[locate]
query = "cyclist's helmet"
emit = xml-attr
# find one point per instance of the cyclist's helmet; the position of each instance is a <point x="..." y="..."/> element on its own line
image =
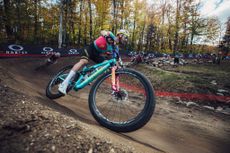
<point x="123" y="36"/>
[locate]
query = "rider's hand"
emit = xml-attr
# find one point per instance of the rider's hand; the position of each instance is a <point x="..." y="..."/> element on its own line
<point x="119" y="63"/>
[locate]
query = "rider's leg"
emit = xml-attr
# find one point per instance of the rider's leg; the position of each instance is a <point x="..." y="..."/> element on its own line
<point x="63" y="86"/>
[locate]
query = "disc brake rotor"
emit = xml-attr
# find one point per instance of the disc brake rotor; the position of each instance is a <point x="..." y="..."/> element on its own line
<point x="120" y="96"/>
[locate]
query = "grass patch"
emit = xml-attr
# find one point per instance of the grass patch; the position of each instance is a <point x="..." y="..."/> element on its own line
<point x="189" y="78"/>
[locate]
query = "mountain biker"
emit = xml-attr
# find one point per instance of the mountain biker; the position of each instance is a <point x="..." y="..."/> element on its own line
<point x="107" y="42"/>
<point x="52" y="59"/>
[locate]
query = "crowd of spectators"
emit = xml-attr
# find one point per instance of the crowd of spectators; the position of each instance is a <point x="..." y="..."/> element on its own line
<point x="179" y="55"/>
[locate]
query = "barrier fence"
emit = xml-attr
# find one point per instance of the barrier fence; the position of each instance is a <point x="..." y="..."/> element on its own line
<point x="16" y="50"/>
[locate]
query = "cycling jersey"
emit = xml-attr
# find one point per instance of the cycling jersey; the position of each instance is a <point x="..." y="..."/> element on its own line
<point x="102" y="45"/>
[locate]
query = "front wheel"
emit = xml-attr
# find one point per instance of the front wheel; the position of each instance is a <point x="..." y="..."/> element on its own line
<point x="126" y="110"/>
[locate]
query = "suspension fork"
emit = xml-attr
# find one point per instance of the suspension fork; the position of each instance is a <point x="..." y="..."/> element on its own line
<point x="115" y="80"/>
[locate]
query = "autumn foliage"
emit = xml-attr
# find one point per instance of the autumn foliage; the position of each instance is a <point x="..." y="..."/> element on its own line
<point x="162" y="26"/>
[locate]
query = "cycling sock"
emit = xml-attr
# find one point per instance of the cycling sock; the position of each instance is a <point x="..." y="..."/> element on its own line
<point x="69" y="77"/>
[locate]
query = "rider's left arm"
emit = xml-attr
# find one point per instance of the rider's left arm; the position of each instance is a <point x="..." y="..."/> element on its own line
<point x="116" y="54"/>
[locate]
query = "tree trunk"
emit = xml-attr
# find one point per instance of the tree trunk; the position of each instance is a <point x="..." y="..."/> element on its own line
<point x="191" y="40"/>
<point x="60" y="26"/>
<point x="183" y="42"/>
<point x="85" y="28"/>
<point x="7" y="19"/>
<point x="27" y="24"/>
<point x="122" y="14"/>
<point x="65" y="25"/>
<point x="169" y="29"/>
<point x="80" y="20"/>
<point x="72" y="25"/>
<point x="147" y="39"/>
<point x="140" y="47"/>
<point x="36" y="21"/>
<point x="134" y="28"/>
<point x="162" y="42"/>
<point x="177" y="27"/>
<point x="90" y="21"/>
<point x="114" y="16"/>
<point x="169" y="37"/>
<point x="18" y="32"/>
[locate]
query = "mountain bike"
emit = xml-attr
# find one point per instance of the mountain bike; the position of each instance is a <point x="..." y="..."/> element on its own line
<point x="137" y="59"/>
<point x="120" y="99"/>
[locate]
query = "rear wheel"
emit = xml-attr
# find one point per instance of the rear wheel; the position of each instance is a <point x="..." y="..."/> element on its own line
<point x="52" y="87"/>
<point x="126" y="110"/>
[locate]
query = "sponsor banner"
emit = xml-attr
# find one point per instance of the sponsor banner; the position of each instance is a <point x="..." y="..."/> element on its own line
<point x="17" y="50"/>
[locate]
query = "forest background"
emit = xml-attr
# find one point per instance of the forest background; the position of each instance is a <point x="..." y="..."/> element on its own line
<point x="160" y="26"/>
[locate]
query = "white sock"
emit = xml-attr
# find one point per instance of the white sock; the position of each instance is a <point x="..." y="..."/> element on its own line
<point x="69" y="77"/>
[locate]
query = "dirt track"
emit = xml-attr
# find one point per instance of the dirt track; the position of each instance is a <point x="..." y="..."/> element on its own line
<point x="172" y="129"/>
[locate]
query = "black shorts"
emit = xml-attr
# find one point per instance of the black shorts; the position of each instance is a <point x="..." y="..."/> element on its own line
<point x="90" y="53"/>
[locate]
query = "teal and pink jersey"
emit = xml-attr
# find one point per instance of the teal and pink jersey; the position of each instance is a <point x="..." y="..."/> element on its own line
<point x="101" y="44"/>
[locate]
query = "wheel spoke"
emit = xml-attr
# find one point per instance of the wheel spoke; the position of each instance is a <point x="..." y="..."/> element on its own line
<point x="128" y="107"/>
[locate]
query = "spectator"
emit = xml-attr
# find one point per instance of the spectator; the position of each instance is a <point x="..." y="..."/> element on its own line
<point x="214" y="58"/>
<point x="176" y="58"/>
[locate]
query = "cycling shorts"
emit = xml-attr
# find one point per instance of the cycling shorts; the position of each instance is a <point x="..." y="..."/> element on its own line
<point x="90" y="53"/>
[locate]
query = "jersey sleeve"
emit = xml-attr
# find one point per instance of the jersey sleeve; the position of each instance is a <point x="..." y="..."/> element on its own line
<point x="112" y="35"/>
<point x="108" y="34"/>
<point x="116" y="51"/>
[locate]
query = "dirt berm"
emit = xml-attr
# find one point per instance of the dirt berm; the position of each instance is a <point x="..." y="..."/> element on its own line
<point x="30" y="122"/>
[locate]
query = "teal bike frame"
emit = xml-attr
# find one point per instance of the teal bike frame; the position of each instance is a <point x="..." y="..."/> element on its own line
<point x="100" y="68"/>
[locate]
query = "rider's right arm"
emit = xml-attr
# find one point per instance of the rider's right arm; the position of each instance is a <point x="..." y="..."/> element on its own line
<point x="104" y="33"/>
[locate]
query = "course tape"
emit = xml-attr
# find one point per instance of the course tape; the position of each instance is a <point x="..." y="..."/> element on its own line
<point x="194" y="96"/>
<point x="184" y="96"/>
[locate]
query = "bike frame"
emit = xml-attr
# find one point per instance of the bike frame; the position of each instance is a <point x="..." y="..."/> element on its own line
<point x="82" y="82"/>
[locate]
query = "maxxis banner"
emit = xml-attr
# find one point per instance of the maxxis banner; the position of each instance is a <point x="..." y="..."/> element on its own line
<point x="18" y="50"/>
